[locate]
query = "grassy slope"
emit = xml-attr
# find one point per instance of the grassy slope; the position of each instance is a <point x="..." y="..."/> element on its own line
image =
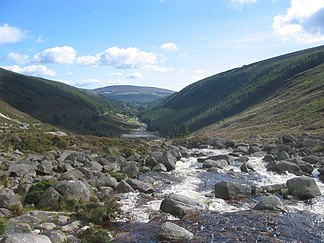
<point x="61" y="105"/>
<point x="226" y="94"/>
<point x="296" y="107"/>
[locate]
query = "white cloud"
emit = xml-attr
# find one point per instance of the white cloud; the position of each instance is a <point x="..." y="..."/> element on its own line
<point x="10" y="34"/>
<point x="59" y="55"/>
<point x="115" y="74"/>
<point x="169" y="46"/>
<point x="34" y="70"/>
<point x="92" y="83"/>
<point x="18" y="58"/>
<point x="125" y="57"/>
<point x="304" y="21"/>
<point x="155" y="68"/>
<point x="86" y="60"/>
<point x="136" y="75"/>
<point x="240" y="3"/>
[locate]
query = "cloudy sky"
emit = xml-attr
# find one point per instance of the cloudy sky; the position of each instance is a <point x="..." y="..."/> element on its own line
<point x="162" y="43"/>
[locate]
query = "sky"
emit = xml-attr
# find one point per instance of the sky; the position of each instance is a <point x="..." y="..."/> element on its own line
<point x="162" y="43"/>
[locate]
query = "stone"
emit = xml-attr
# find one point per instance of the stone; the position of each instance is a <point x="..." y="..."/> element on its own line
<point x="111" y="167"/>
<point x="151" y="161"/>
<point x="25" y="238"/>
<point x="282" y="155"/>
<point x="75" y="225"/>
<point x="19" y="228"/>
<point x="5" y="213"/>
<point x="230" y="190"/>
<point x="269" y="158"/>
<point x="74" y="190"/>
<point x="57" y="236"/>
<point x="165" y="158"/>
<point x="20" y="170"/>
<point x="131" y="169"/>
<point x="49" y="199"/>
<point x="271" y="203"/>
<point x="71" y="175"/>
<point x="29" y="219"/>
<point x="10" y="202"/>
<point x="124" y="187"/>
<point x="45" y="167"/>
<point x="275" y="188"/>
<point x="289" y="139"/>
<point x="242" y="149"/>
<point x="312" y="159"/>
<point x="242" y="159"/>
<point x="106" y="180"/>
<point x="283" y="167"/>
<point x="174" y="233"/>
<point x="93" y="165"/>
<point x="179" y="205"/>
<point x="303" y="188"/>
<point x="160" y="167"/>
<point x="246" y="167"/>
<point x="46" y="226"/>
<point x="140" y="186"/>
<point x="226" y="157"/>
<point x="209" y="163"/>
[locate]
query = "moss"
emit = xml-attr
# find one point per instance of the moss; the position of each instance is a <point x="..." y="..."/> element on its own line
<point x="118" y="175"/>
<point x="95" y="234"/>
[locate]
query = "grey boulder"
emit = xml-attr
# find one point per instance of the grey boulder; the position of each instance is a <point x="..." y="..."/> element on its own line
<point x="174" y="233"/>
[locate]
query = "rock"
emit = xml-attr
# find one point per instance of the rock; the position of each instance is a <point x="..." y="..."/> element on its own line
<point x="217" y="143"/>
<point x="246" y="167"/>
<point x="46" y="226"/>
<point x="226" y="157"/>
<point x="23" y="188"/>
<point x="49" y="199"/>
<point x="269" y="158"/>
<point x="283" y="166"/>
<point x="71" y="227"/>
<point x="179" y="205"/>
<point x="106" y="180"/>
<point x="289" y="139"/>
<point x="242" y="149"/>
<point x="303" y="188"/>
<point x="45" y="167"/>
<point x="20" y="170"/>
<point x="19" y="228"/>
<point x="5" y="213"/>
<point x="254" y="149"/>
<point x="242" y="159"/>
<point x="230" y="190"/>
<point x="10" y="202"/>
<point x="306" y="167"/>
<point x="29" y="219"/>
<point x="77" y="156"/>
<point x="131" y="169"/>
<point x="111" y="167"/>
<point x="93" y="165"/>
<point x="271" y="203"/>
<point x="140" y="186"/>
<point x="124" y="187"/>
<point x="151" y="161"/>
<point x="165" y="158"/>
<point x="174" y="233"/>
<point x="221" y="163"/>
<point x="160" y="167"/>
<point x="57" y="236"/>
<point x="25" y="238"/>
<point x="74" y="190"/>
<point x="282" y="155"/>
<point x="312" y="159"/>
<point x="71" y="175"/>
<point x="275" y="188"/>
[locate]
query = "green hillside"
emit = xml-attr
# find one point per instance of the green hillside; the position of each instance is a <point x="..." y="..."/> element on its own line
<point x="230" y="93"/>
<point x="61" y="105"/>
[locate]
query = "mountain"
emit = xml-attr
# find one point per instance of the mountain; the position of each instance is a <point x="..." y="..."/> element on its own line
<point x="61" y="105"/>
<point x="138" y="95"/>
<point x="229" y="93"/>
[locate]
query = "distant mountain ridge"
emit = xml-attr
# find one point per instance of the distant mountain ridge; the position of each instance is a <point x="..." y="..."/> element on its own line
<point x="229" y="93"/>
<point x="134" y="94"/>
<point x="61" y="105"/>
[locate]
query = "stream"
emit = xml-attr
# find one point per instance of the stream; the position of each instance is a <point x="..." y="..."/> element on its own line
<point x="224" y="220"/>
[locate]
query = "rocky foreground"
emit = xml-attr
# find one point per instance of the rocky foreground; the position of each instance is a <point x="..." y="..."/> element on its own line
<point x="74" y="196"/>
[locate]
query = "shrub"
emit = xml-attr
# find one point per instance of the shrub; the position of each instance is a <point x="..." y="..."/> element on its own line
<point x="3" y="226"/>
<point x="35" y="191"/>
<point x="93" y="234"/>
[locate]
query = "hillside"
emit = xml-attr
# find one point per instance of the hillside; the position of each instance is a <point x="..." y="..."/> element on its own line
<point x="60" y="105"/>
<point x="229" y="93"/>
<point x="138" y="95"/>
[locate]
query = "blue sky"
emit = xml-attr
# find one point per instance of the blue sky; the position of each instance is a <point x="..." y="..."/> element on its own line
<point x="162" y="43"/>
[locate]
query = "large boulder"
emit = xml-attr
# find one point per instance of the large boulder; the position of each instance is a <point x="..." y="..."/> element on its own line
<point x="165" y="158"/>
<point x="303" y="188"/>
<point x="74" y="190"/>
<point x="140" y="186"/>
<point x="312" y="159"/>
<point x="45" y="167"/>
<point x="173" y="233"/>
<point x="226" y="157"/>
<point x="21" y="170"/>
<point x="124" y="187"/>
<point x="131" y="169"/>
<point x="49" y="199"/>
<point x="271" y="203"/>
<point x="179" y="205"/>
<point x="25" y="238"/>
<point x="289" y="139"/>
<point x="107" y="180"/>
<point x="230" y="190"/>
<point x="10" y="202"/>
<point x="209" y="163"/>
<point x="283" y="167"/>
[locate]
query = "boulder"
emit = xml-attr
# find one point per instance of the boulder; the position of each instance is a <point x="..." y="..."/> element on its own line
<point x="282" y="155"/>
<point x="173" y="233"/>
<point x="303" y="188"/>
<point x="269" y="158"/>
<point x="124" y="187"/>
<point x="49" y="199"/>
<point x="57" y="236"/>
<point x="289" y="139"/>
<point x="226" y="157"/>
<point x="284" y="166"/>
<point x="131" y="169"/>
<point x="45" y="167"/>
<point x="140" y="186"/>
<point x="168" y="160"/>
<point x="93" y="165"/>
<point x="10" y="202"/>
<point x="209" y="163"/>
<point x="107" y="180"/>
<point x="25" y="238"/>
<point x="312" y="159"/>
<point x="246" y="167"/>
<point x="111" y="167"/>
<point x="271" y="203"/>
<point x="74" y="190"/>
<point x="71" y="175"/>
<point x="230" y="190"/>
<point x="275" y="188"/>
<point x="22" y="169"/>
<point x="151" y="161"/>
<point x="179" y="205"/>
<point x="160" y="167"/>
